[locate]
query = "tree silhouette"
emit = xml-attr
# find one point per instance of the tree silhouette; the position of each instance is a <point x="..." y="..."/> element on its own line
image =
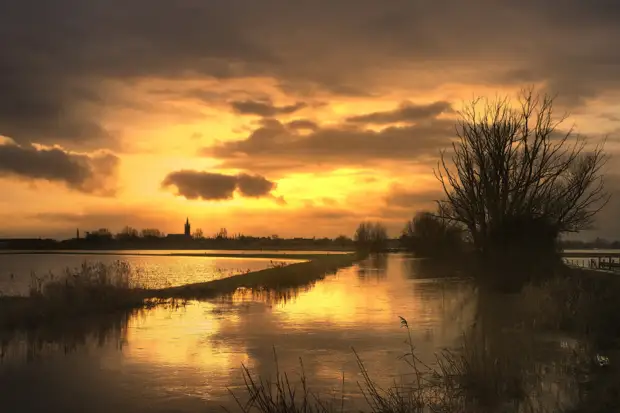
<point x="514" y="177"/>
<point x="430" y="235"/>
<point x="151" y="233"/>
<point x="370" y="237"/>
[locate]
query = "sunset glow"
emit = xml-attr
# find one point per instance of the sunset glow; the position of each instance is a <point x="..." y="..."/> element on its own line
<point x="339" y="118"/>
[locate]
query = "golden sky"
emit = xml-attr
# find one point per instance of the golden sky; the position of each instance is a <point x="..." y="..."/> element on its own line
<point x="297" y="118"/>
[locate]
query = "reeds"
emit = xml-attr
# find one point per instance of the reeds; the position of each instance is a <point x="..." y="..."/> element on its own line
<point x="465" y="380"/>
<point x="280" y="396"/>
<point x="91" y="289"/>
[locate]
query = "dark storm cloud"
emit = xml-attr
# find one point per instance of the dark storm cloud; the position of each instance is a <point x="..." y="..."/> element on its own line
<point x="406" y="112"/>
<point x="217" y="187"/>
<point x="264" y="108"/>
<point x="91" y="174"/>
<point x="57" y="55"/>
<point x="276" y="146"/>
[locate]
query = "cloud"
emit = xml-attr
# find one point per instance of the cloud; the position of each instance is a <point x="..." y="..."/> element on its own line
<point x="407" y="112"/>
<point x="276" y="146"/>
<point x="219" y="187"/>
<point x="93" y="174"/>
<point x="264" y="108"/>
<point x="59" y="57"/>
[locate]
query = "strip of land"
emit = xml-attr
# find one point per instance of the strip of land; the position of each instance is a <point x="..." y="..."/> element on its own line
<point x="288" y="276"/>
<point x="80" y="296"/>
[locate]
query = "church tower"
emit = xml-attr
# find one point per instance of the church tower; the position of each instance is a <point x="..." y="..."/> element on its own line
<point x="188" y="228"/>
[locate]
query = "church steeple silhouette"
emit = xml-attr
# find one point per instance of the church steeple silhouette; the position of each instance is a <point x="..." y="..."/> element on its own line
<point x="187" y="227"/>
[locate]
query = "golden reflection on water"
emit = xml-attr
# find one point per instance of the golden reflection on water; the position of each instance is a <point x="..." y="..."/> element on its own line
<point x="183" y="337"/>
<point x="358" y="307"/>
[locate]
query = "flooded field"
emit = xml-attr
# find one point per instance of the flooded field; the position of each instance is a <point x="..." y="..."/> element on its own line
<point x="185" y="358"/>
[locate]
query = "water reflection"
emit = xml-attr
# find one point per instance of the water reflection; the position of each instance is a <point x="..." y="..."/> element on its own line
<point x="184" y="358"/>
<point x="431" y="268"/>
<point x="374" y="267"/>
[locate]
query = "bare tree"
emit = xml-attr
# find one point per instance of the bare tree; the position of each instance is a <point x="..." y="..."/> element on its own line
<point x="198" y="234"/>
<point x="370" y="237"/>
<point x="222" y="234"/>
<point x="151" y="233"/>
<point x="127" y="233"/>
<point x="430" y="235"/>
<point x="513" y="170"/>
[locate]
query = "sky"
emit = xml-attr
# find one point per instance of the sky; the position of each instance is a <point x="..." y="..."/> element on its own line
<point x="287" y="117"/>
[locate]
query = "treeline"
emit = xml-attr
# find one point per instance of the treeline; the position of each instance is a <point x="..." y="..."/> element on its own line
<point x="129" y="234"/>
<point x="426" y="234"/>
<point x="150" y="238"/>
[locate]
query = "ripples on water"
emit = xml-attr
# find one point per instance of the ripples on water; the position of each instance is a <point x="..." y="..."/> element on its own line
<point x="183" y="359"/>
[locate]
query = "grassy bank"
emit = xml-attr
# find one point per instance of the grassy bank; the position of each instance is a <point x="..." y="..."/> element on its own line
<point x="288" y="276"/>
<point x="96" y="289"/>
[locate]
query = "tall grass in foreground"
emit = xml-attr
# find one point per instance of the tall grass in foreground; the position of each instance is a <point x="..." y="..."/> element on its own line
<point x="467" y="380"/>
<point x="91" y="289"/>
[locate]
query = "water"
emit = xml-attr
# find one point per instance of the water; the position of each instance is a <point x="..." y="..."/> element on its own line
<point x="184" y="359"/>
<point x="595" y="261"/>
<point x="149" y="271"/>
